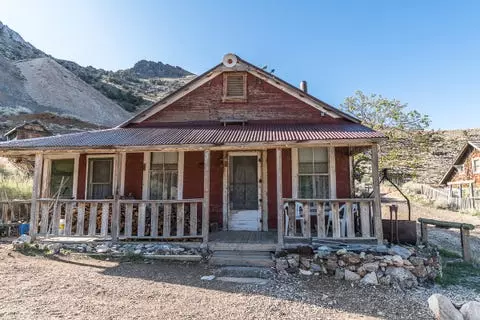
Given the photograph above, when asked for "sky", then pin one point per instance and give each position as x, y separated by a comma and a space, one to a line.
424, 53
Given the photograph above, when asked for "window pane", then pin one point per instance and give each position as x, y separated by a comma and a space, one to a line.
313, 187
312, 160
100, 178
62, 169
101, 170
163, 175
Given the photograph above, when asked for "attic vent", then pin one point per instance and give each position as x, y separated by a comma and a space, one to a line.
235, 87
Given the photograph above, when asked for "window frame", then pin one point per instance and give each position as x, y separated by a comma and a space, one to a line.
114, 172
332, 183
147, 157
477, 171
225, 97
163, 172
47, 173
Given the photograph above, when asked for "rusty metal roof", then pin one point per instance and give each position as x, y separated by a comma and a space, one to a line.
197, 135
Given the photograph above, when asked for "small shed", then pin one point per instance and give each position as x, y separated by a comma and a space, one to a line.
31, 129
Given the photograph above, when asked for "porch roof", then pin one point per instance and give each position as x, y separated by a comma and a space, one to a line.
198, 135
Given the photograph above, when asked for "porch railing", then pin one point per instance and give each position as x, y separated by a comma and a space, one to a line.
14, 211
159, 219
329, 218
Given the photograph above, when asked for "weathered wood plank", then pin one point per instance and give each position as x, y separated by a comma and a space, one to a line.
335, 220
447, 224
291, 228
154, 220
321, 219
80, 219
307, 228
56, 217
280, 215
141, 219
104, 223
365, 219
92, 219
128, 219
180, 219
377, 206
206, 196
465, 239
44, 207
68, 218
34, 208
349, 220
193, 219
167, 220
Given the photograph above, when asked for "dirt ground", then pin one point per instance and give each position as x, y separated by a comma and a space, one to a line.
67, 287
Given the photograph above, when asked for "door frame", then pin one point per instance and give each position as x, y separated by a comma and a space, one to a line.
227, 155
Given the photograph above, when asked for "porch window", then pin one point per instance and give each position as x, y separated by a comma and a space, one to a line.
163, 175
61, 178
100, 178
313, 173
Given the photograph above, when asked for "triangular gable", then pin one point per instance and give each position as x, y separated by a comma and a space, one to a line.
241, 66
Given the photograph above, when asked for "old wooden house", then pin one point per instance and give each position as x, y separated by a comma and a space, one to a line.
31, 129
236, 155
463, 177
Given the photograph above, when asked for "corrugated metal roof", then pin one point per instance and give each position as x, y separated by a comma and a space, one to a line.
199, 135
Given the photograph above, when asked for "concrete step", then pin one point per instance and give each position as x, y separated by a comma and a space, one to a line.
242, 258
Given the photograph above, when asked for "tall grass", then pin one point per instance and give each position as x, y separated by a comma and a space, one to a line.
14, 182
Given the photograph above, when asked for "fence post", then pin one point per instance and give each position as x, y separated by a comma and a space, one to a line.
465, 239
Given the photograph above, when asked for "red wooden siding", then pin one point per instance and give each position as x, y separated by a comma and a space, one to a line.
272, 188
265, 103
216, 187
134, 175
82, 167
342, 168
193, 175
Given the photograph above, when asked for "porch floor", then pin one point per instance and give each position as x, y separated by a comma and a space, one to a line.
269, 237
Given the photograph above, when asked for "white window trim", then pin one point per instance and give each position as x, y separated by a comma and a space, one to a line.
47, 169
473, 165
114, 171
147, 158
332, 177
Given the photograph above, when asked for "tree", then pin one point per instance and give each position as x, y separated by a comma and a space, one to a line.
405, 129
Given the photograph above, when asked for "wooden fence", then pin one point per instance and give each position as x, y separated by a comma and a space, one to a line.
454, 203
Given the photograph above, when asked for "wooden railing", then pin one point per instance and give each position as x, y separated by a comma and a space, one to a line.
329, 218
15, 211
158, 219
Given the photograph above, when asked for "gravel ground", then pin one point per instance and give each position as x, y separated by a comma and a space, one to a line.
78, 287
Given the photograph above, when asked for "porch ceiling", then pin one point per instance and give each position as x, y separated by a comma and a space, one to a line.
198, 135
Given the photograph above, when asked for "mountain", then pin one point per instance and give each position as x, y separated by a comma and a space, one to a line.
62, 92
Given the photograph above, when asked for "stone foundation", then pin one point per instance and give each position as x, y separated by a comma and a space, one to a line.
397, 266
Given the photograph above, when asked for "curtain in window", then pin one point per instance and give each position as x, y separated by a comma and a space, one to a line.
100, 178
164, 175
313, 173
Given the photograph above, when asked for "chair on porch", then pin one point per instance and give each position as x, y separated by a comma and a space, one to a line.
343, 221
298, 216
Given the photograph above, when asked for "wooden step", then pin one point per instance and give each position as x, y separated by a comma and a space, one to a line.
242, 258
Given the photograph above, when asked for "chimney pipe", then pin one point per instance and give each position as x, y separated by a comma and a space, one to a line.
303, 86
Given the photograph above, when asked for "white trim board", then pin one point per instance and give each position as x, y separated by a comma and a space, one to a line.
47, 168
114, 170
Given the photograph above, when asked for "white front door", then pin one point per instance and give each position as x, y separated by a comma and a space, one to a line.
244, 191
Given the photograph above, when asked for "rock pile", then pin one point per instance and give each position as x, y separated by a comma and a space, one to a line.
145, 249
444, 309
371, 265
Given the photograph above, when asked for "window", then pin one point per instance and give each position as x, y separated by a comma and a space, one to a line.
313, 173
100, 178
235, 87
163, 175
61, 178
476, 165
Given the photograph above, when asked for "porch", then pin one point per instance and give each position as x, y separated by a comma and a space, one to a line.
281, 217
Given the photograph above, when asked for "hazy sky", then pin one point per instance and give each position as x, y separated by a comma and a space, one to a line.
424, 53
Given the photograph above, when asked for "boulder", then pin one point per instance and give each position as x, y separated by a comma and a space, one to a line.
443, 308
471, 310
352, 258
292, 263
402, 276
370, 279
397, 261
331, 265
385, 280
281, 264
361, 271
371, 266
351, 276
401, 251
342, 252
339, 274
420, 271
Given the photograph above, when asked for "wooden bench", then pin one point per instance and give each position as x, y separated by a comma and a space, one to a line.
464, 233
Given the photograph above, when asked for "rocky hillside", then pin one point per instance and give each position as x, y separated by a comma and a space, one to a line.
32, 82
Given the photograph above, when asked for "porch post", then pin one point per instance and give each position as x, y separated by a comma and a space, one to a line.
206, 196
37, 178
279, 199
332, 174
377, 207
120, 189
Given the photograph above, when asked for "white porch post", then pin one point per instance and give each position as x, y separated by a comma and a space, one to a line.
377, 207
332, 174
279, 199
37, 178
206, 196
119, 191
